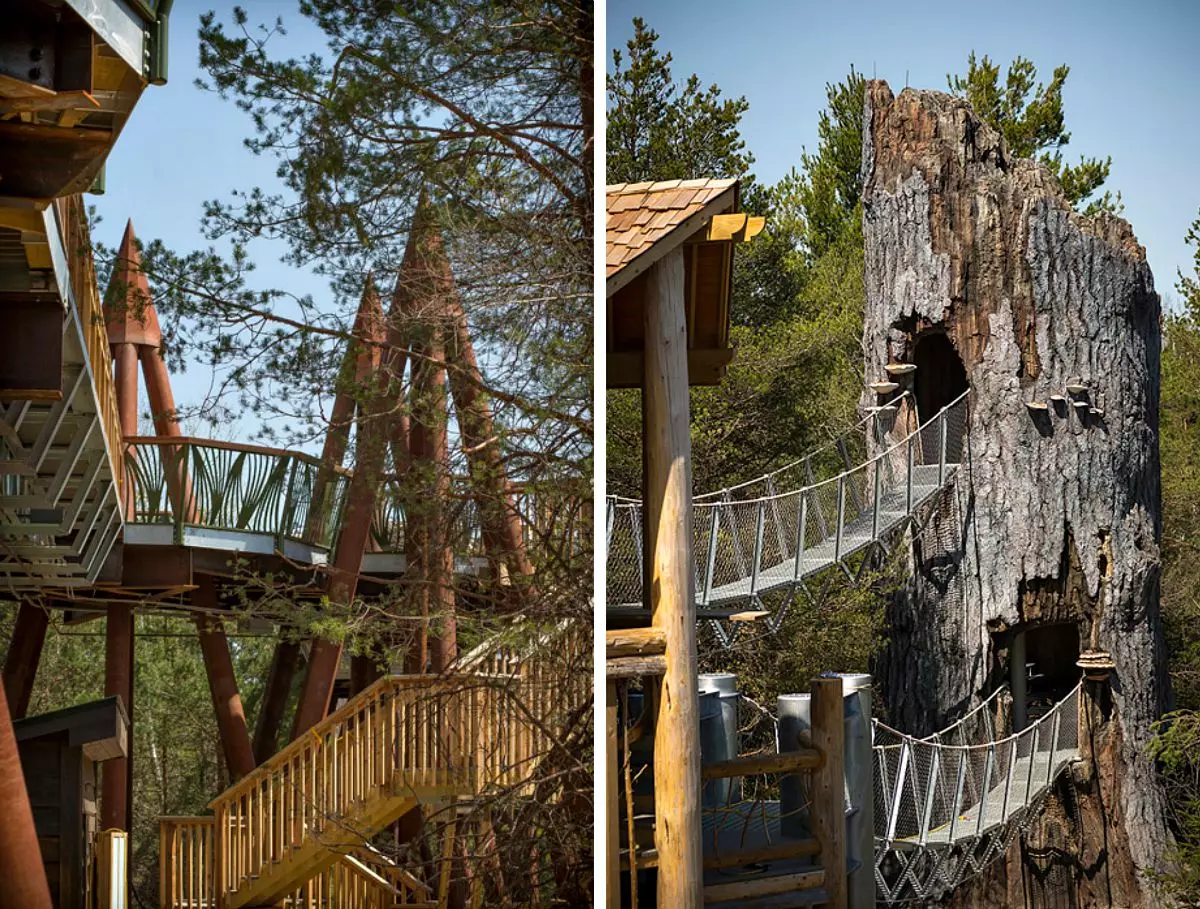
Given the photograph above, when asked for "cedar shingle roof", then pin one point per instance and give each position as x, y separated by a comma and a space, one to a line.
641, 214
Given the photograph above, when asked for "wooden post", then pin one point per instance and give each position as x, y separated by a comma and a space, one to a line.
118, 680
612, 791
24, 654
829, 785
669, 582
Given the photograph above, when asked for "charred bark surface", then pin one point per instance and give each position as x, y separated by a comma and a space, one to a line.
1057, 519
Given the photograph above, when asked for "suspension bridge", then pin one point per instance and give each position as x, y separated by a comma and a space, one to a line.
753, 539
945, 805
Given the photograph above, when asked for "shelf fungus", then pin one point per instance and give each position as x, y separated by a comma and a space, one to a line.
1096, 664
884, 388
1036, 407
1076, 387
900, 369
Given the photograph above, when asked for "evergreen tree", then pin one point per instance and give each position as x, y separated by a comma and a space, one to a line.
658, 130
1030, 116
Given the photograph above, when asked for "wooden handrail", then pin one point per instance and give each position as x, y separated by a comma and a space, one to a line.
81, 266
402, 738
752, 764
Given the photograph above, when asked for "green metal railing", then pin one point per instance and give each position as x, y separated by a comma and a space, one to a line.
185, 482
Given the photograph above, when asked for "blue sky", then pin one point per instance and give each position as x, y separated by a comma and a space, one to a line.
1131, 92
182, 146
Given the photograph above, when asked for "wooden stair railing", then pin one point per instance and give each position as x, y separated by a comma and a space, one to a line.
279, 832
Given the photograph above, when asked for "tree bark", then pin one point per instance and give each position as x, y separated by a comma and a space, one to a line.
1057, 519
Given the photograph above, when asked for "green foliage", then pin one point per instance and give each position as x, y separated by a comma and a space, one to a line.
1029, 114
1177, 743
1176, 748
830, 186
658, 130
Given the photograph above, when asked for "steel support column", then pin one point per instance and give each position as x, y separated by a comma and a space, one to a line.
323, 660
21, 873
116, 801
24, 654
275, 698
356, 519
222, 682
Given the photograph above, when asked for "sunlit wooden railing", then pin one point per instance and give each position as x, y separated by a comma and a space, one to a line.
404, 738
185, 848
187, 881
77, 242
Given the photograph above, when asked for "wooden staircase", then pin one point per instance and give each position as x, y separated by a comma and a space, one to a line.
297, 830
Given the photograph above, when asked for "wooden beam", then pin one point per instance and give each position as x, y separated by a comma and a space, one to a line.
612, 797
753, 764
11, 88
828, 785
737, 228
42, 132
635, 667
635, 642
669, 583
765, 886
26, 220
78, 100
625, 368
773, 852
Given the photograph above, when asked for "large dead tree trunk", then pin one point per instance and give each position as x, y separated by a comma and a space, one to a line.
979, 271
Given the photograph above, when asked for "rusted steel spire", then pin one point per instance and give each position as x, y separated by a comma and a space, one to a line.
359, 362
354, 534
428, 279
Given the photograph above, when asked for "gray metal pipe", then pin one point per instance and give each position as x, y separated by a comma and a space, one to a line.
795, 726
712, 747
724, 684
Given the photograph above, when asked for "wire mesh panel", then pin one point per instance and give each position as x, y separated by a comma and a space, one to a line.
771, 533
948, 804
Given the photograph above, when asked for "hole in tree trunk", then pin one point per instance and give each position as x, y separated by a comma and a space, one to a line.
940, 379
1051, 652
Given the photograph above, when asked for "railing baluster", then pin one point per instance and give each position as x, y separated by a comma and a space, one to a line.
801, 530
841, 517
711, 567
760, 517
959, 788
878, 497
985, 789
935, 769
942, 448
901, 773
908, 479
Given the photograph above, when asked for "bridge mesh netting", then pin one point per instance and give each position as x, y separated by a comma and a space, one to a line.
753, 539
948, 804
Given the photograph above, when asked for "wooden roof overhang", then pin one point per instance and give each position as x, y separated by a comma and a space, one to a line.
646, 222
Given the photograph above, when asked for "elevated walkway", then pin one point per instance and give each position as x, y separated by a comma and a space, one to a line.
297, 830
948, 804
751, 540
